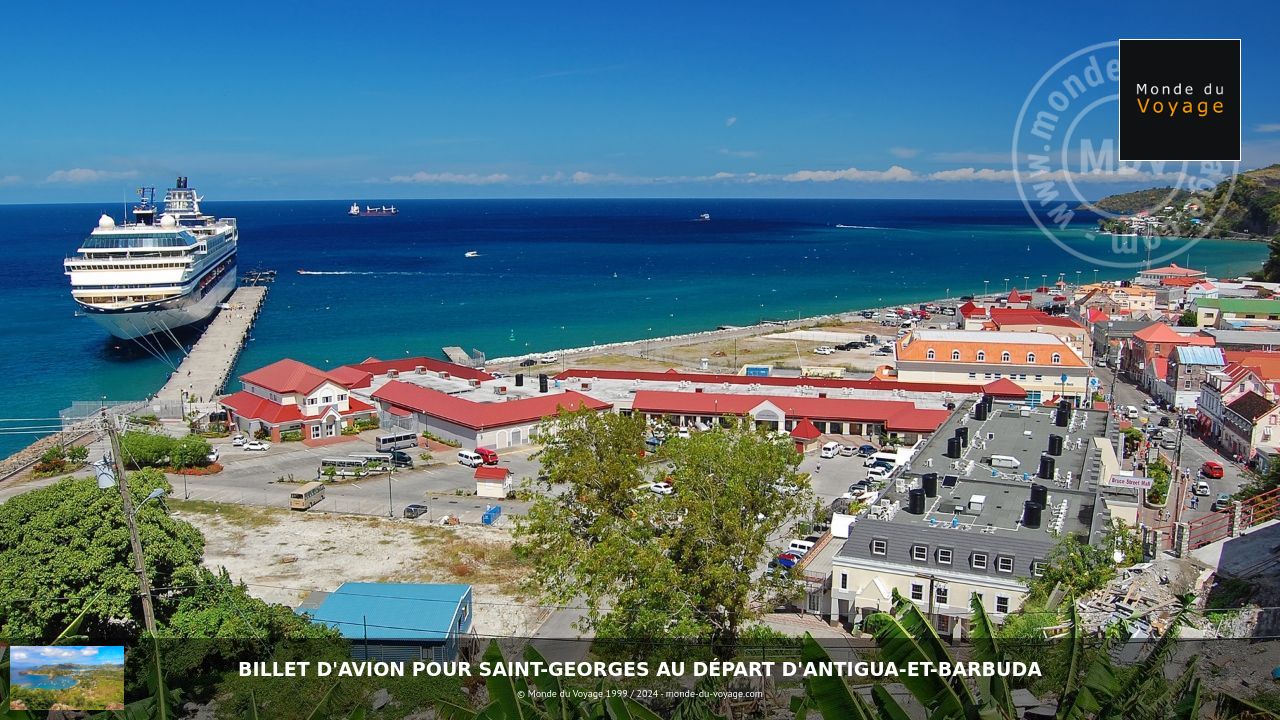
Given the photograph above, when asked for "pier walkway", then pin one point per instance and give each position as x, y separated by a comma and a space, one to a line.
205, 371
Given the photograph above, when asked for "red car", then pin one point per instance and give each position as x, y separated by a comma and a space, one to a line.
1211, 469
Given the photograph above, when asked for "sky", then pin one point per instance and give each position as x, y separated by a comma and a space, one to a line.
379, 101
76, 654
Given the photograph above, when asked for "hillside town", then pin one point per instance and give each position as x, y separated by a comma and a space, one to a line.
951, 447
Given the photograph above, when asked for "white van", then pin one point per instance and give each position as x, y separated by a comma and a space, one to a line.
1004, 461
877, 473
470, 458
881, 457
800, 547
1131, 412
830, 450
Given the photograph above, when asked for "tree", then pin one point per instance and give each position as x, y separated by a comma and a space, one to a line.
1079, 567
60, 545
652, 567
1187, 318
145, 449
190, 451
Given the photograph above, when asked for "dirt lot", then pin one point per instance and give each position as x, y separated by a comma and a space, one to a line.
282, 555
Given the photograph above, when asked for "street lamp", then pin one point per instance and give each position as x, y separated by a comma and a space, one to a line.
984, 287
1006, 286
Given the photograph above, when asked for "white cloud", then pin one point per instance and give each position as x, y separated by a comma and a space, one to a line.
968, 174
739, 153
895, 173
1267, 128
730, 121
87, 175
446, 178
10, 180
904, 152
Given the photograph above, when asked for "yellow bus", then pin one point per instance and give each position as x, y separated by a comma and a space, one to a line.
306, 496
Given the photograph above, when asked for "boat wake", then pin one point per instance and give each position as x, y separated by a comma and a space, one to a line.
361, 272
863, 227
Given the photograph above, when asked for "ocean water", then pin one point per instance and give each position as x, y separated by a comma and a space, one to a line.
550, 274
46, 682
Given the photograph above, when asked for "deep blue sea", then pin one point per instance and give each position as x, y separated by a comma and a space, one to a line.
550, 274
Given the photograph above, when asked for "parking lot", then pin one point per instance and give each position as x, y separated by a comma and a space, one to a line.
265, 478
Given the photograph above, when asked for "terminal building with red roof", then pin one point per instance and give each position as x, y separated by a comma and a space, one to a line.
836, 416
288, 395
496, 424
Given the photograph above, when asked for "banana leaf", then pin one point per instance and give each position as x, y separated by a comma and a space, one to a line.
829, 694
900, 646
888, 707
997, 700
553, 702
505, 691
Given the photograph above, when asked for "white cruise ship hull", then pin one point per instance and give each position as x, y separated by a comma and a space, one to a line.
194, 307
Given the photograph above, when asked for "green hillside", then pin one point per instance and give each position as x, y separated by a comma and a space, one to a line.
1252, 209
1132, 202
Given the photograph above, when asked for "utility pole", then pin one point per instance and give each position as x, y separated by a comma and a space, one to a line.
135, 542
1177, 468
391, 510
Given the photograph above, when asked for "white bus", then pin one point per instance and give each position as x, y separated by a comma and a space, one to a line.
376, 461
397, 441
306, 496
345, 466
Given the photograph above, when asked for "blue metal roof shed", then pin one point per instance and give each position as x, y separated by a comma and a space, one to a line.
396, 621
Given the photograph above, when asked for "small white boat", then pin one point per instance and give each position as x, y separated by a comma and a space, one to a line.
472, 253
704, 217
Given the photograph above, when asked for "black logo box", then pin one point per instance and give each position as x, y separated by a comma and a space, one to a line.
1186, 65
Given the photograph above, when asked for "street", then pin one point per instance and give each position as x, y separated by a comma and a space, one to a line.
1194, 454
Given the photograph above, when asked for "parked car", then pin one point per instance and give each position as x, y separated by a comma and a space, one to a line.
786, 561
257, 445
1151, 407
1131, 412
213, 455
415, 510
1201, 488
823, 350
1166, 421
829, 450
488, 456
866, 450
662, 488
683, 433
547, 359
848, 450
1222, 502
239, 440
528, 362
878, 472
1211, 469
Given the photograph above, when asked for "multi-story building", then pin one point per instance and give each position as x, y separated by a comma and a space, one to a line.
1068, 330
1186, 370
1113, 298
1248, 422
1156, 340
1221, 388
1155, 276
979, 515
1040, 363
1225, 313
288, 395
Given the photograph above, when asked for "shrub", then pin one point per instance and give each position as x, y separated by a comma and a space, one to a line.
78, 454
145, 449
190, 451
291, 436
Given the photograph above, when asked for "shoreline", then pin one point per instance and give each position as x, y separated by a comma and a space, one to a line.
720, 333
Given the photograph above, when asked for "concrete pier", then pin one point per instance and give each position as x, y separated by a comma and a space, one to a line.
206, 369
458, 356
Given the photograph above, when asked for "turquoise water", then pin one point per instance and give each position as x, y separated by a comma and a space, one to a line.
550, 274
44, 682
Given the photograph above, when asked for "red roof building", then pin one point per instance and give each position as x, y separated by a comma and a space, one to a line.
291, 396
1157, 340
805, 430
828, 415
374, 366
477, 424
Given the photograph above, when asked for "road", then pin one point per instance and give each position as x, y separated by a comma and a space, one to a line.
1193, 456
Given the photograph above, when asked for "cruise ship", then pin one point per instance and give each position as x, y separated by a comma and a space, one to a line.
160, 271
